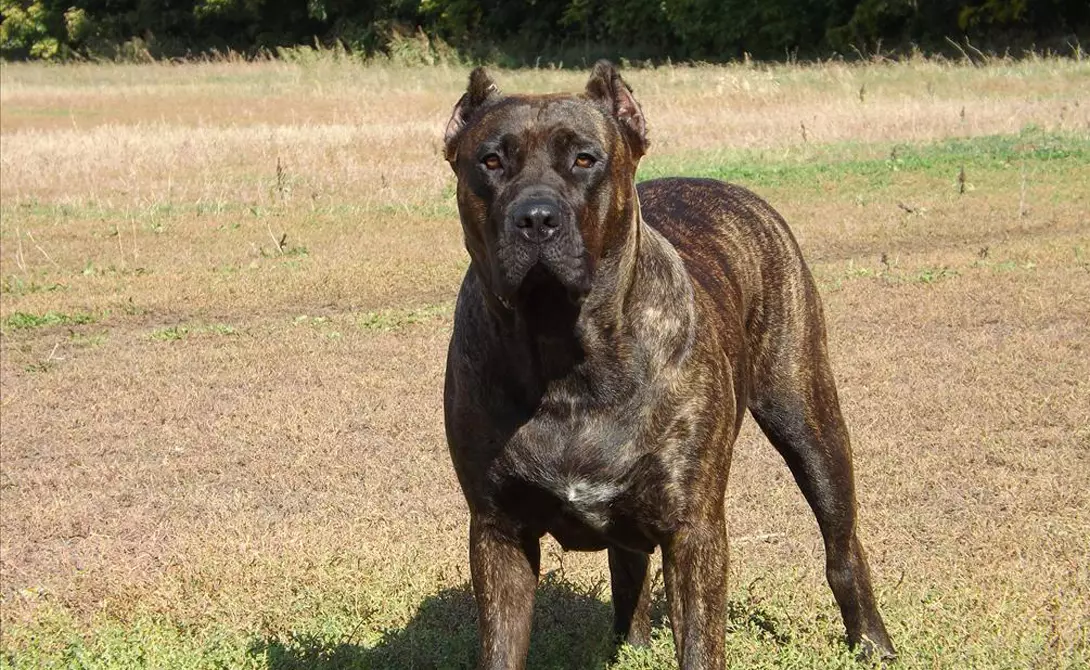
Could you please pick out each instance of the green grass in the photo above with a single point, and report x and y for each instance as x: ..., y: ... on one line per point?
x: 878, y: 164
x: 571, y: 630
x: 169, y: 334
x: 26, y: 321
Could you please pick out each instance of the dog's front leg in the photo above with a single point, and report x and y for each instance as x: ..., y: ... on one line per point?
x: 694, y: 562
x: 631, y: 584
x: 505, y: 571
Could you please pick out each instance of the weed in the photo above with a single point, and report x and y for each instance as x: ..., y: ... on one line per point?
x: 88, y: 340
x: 854, y: 271
x: 24, y: 321
x: 176, y: 333
x: 931, y: 275
x: 170, y: 334
x: 92, y: 270
x: 16, y: 285
x: 304, y: 320
x: 281, y: 249
x: 1082, y: 259
x: 1005, y: 266
x: 130, y: 308
x: 395, y: 319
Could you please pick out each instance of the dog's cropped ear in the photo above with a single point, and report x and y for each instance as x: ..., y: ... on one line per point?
x: 611, y: 92
x: 480, y: 90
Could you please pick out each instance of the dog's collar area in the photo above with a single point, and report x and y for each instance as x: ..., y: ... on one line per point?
x: 575, y: 297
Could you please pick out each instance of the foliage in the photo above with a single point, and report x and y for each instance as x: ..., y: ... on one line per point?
x: 31, y: 28
x: 526, y: 31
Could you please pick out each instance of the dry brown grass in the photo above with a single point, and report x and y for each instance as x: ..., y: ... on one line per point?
x: 278, y: 456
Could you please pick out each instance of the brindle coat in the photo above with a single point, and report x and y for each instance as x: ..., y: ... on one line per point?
x: 607, y: 340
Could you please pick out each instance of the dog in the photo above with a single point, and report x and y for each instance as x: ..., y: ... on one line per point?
x: 608, y: 338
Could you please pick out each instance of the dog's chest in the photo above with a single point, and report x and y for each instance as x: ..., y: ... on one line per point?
x: 587, y: 480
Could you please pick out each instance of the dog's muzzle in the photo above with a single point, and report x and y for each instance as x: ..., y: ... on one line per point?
x: 540, y: 244
x: 536, y: 219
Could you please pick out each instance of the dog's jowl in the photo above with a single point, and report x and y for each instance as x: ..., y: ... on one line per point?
x: 607, y: 341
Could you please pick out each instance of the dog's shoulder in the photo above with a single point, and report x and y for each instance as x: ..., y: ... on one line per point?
x: 687, y: 209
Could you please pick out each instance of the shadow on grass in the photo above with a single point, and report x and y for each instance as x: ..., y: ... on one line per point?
x: 572, y: 629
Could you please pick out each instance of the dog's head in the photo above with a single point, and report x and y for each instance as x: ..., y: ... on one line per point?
x: 545, y: 182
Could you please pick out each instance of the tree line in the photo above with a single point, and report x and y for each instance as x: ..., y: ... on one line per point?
x: 521, y: 32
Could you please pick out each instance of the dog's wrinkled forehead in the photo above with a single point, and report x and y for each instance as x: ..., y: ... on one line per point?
x: 533, y: 122
x: 605, y: 113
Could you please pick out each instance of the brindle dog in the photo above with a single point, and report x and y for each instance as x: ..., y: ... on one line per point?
x: 607, y: 340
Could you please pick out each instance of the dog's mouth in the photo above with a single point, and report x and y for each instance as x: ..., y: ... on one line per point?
x: 548, y: 302
x: 542, y: 286
x: 529, y: 279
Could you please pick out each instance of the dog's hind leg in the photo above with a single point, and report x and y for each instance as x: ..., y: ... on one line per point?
x: 630, y: 581
x: 794, y: 401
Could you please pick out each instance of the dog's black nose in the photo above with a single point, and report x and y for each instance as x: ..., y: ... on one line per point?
x: 537, y: 220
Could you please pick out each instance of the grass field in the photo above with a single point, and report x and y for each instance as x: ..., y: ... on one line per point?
x: 227, y: 292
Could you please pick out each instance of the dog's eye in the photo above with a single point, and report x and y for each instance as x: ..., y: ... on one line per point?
x: 492, y: 162
x: 585, y: 161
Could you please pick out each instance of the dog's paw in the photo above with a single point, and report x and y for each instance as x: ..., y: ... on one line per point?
x: 869, y: 651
